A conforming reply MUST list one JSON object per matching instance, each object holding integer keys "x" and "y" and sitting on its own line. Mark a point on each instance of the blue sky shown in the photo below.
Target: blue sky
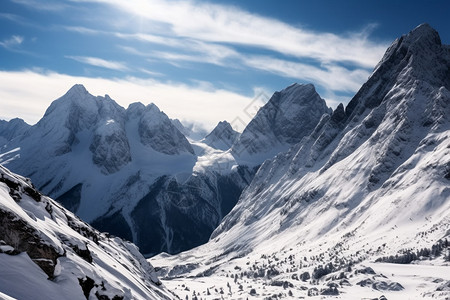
{"x": 199, "y": 61}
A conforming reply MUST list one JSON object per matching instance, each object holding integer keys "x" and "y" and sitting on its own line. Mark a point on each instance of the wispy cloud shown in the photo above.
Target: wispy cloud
{"x": 151, "y": 73}
{"x": 99, "y": 62}
{"x": 84, "y": 30}
{"x": 49, "y": 5}
{"x": 12, "y": 42}
{"x": 12, "y": 17}
{"x": 230, "y": 37}
{"x": 329, "y": 76}
{"x": 226, "y": 24}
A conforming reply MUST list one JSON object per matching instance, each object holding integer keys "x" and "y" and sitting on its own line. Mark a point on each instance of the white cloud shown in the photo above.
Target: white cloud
{"x": 200, "y": 104}
{"x": 49, "y": 5}
{"x": 99, "y": 62}
{"x": 329, "y": 76}
{"x": 218, "y": 31}
{"x": 12, "y": 42}
{"x": 227, "y": 24}
{"x": 84, "y": 30}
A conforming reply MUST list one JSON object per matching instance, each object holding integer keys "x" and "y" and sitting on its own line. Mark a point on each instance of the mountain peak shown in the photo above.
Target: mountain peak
{"x": 284, "y": 120}
{"x": 416, "y": 56}
{"x": 421, "y": 39}
{"x": 222, "y": 137}
{"x": 224, "y": 124}
{"x": 423, "y": 31}
{"x": 77, "y": 89}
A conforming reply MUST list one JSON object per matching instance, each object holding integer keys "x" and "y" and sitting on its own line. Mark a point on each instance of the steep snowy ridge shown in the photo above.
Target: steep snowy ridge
{"x": 371, "y": 181}
{"x": 46, "y": 252}
{"x": 288, "y": 116}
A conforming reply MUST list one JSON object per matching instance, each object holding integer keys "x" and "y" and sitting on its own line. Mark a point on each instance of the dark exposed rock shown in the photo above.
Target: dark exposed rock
{"x": 24, "y": 238}
{"x": 33, "y": 193}
{"x": 365, "y": 282}
{"x": 313, "y": 292}
{"x": 387, "y": 286}
{"x": 339, "y": 115}
{"x": 305, "y": 276}
{"x": 83, "y": 253}
{"x": 330, "y": 291}
{"x": 87, "y": 284}
{"x": 110, "y": 148}
{"x": 285, "y": 284}
{"x": 367, "y": 270}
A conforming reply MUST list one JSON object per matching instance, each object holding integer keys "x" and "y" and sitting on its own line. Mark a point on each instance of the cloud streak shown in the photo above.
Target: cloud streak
{"x": 338, "y": 63}
{"x": 226, "y": 24}
{"x": 12, "y": 42}
{"x": 99, "y": 62}
{"x": 47, "y": 5}
{"x": 330, "y": 76}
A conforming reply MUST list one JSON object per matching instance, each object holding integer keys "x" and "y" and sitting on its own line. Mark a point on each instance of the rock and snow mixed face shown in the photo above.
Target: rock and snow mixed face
{"x": 369, "y": 182}
{"x": 97, "y": 157}
{"x": 222, "y": 137}
{"x": 12, "y": 129}
{"x": 46, "y": 252}
{"x": 288, "y": 116}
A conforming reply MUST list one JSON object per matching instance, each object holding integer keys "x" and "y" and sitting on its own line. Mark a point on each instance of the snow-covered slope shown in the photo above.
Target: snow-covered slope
{"x": 287, "y": 117}
{"x": 11, "y": 129}
{"x": 46, "y": 252}
{"x": 371, "y": 181}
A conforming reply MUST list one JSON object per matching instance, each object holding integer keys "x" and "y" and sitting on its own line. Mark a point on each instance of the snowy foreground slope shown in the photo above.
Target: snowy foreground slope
{"x": 369, "y": 186}
{"x": 48, "y": 253}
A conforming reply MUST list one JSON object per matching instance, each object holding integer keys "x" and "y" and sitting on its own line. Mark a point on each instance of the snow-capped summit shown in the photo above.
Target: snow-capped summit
{"x": 289, "y": 115}
{"x": 77, "y": 110}
{"x": 222, "y": 136}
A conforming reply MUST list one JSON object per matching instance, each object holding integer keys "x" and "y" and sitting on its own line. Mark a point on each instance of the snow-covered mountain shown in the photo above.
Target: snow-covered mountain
{"x": 222, "y": 137}
{"x": 10, "y": 130}
{"x": 287, "y": 117}
{"x": 46, "y": 252}
{"x": 129, "y": 171}
{"x": 369, "y": 183}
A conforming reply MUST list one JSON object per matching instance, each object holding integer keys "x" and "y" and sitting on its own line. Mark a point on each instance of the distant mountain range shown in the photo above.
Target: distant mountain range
{"x": 133, "y": 172}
